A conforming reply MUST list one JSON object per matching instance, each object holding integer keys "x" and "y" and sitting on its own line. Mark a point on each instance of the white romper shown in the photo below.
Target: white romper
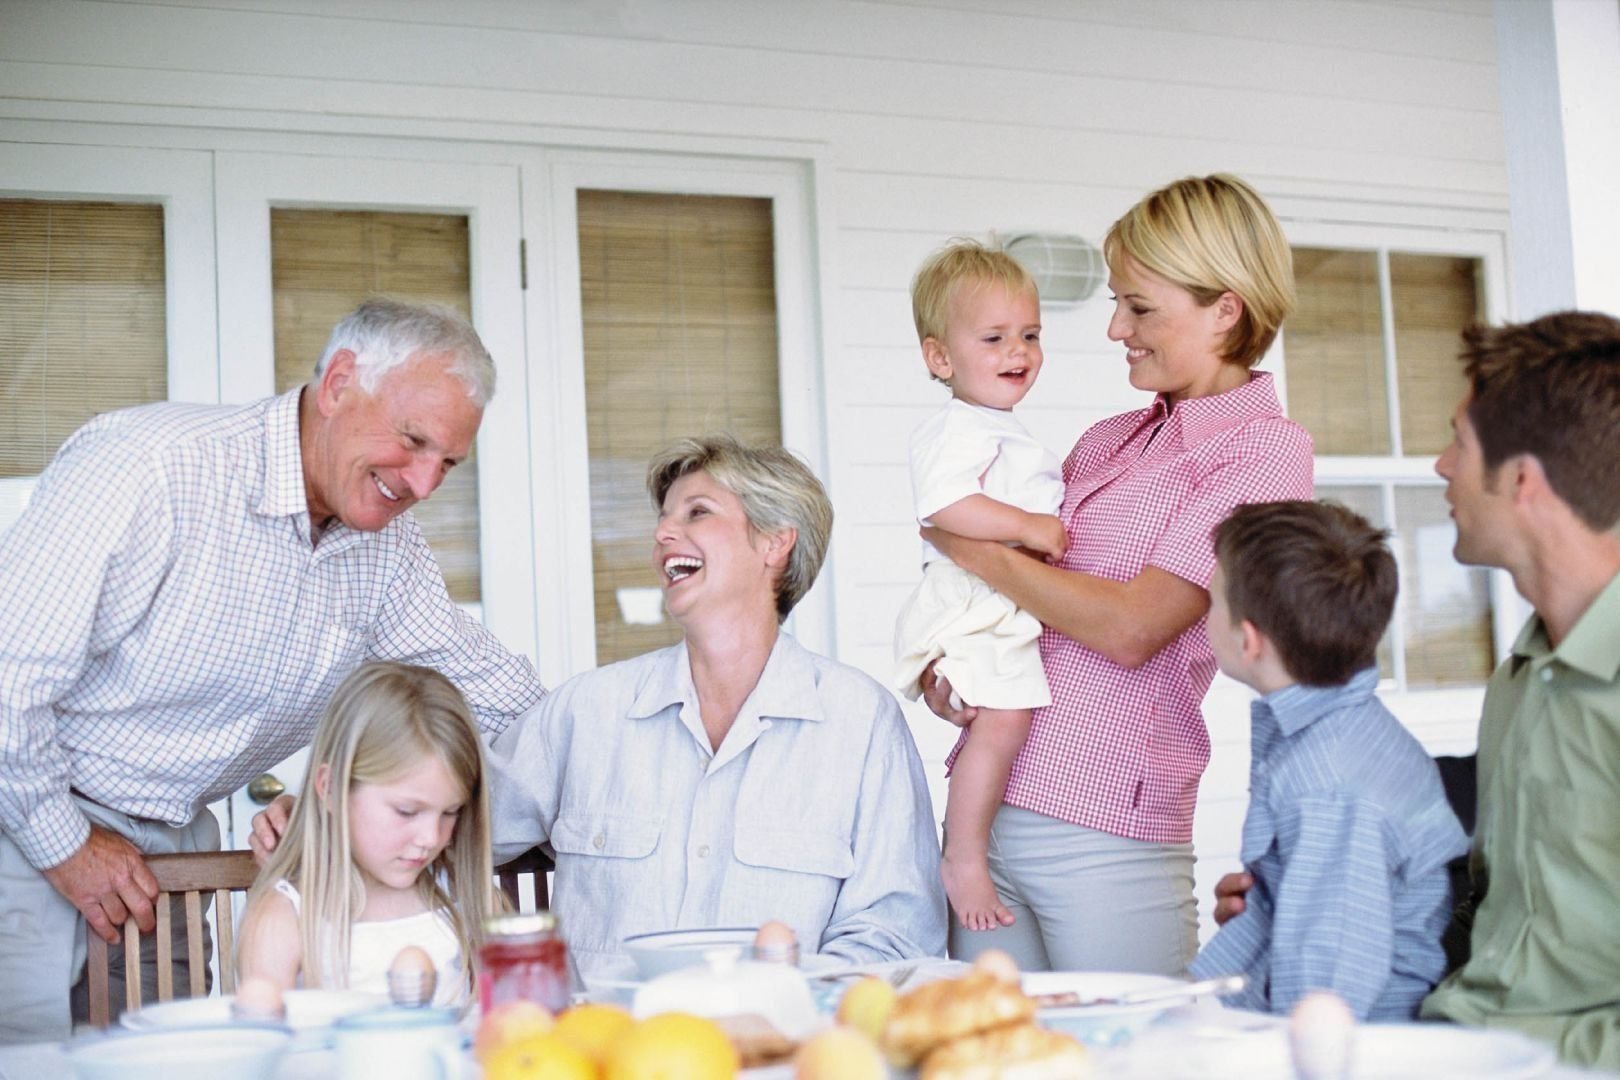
{"x": 985, "y": 644}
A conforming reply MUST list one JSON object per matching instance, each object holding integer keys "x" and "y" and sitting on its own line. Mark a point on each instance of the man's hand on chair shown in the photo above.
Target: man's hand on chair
{"x": 109, "y": 882}
{"x": 268, "y": 826}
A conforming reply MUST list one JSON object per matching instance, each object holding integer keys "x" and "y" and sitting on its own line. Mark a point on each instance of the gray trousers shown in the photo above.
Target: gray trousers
{"x": 1086, "y": 900}
{"x": 43, "y": 988}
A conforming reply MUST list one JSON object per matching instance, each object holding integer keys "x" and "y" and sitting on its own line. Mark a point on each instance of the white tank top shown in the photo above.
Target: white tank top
{"x": 373, "y": 946}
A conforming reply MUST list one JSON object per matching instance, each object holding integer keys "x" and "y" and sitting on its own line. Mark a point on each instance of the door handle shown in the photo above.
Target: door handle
{"x": 264, "y": 788}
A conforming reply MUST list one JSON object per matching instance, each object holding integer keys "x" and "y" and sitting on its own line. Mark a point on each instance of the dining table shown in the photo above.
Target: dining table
{"x": 1201, "y": 1038}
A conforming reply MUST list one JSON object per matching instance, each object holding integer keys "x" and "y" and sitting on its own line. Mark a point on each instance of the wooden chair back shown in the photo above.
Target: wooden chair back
{"x": 534, "y": 863}
{"x": 189, "y": 876}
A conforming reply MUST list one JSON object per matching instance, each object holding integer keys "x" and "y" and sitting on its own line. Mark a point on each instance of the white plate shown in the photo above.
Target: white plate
{"x": 1381, "y": 1052}
{"x": 1100, "y": 1025}
{"x": 664, "y": 951}
{"x": 309, "y": 1012}
{"x": 1445, "y": 1051}
{"x": 814, "y": 966}
{"x": 180, "y": 1054}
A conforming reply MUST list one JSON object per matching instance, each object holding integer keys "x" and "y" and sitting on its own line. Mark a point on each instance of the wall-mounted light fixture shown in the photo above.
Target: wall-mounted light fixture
{"x": 1067, "y": 269}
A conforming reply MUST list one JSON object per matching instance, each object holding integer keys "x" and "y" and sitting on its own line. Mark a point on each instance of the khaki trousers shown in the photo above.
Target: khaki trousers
{"x": 43, "y": 989}
{"x": 1086, "y": 900}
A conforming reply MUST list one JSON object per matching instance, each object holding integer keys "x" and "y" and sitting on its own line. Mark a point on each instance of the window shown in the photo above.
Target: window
{"x": 82, "y": 325}
{"x": 678, "y": 306}
{"x": 1372, "y": 373}
{"x": 323, "y": 263}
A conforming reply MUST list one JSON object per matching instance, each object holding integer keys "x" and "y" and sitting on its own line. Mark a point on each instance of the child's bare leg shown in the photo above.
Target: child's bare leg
{"x": 978, "y": 781}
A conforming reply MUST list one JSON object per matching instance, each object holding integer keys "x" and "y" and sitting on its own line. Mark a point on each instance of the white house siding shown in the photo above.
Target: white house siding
{"x": 921, "y": 121}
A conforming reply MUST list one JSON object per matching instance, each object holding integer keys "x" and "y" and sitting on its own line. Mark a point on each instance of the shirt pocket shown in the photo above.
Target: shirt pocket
{"x": 614, "y": 836}
{"x": 1566, "y": 866}
{"x": 799, "y": 851}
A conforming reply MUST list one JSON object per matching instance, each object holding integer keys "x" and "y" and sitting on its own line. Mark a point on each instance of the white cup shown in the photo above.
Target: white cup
{"x": 399, "y": 1044}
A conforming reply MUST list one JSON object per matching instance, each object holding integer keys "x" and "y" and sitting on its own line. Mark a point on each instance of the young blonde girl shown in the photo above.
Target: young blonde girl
{"x": 389, "y": 845}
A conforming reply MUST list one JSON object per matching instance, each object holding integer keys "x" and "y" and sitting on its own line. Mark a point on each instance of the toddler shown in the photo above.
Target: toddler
{"x": 388, "y": 846}
{"x": 977, "y": 472}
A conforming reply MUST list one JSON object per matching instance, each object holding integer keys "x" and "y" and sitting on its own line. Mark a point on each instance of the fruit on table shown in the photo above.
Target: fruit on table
{"x": 866, "y": 1006}
{"x": 839, "y": 1053}
{"x": 508, "y": 1023}
{"x": 672, "y": 1046}
{"x": 538, "y": 1057}
{"x": 593, "y": 1029}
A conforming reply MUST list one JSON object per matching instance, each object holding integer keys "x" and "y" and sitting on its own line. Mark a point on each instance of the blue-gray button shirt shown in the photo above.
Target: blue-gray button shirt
{"x": 814, "y": 810}
{"x": 1348, "y": 835}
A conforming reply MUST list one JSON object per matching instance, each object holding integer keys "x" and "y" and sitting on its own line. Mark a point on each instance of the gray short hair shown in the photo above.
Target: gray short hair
{"x": 777, "y": 491}
{"x": 384, "y": 333}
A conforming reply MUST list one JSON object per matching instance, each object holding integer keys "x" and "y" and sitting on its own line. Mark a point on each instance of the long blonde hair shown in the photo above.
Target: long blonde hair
{"x": 382, "y": 722}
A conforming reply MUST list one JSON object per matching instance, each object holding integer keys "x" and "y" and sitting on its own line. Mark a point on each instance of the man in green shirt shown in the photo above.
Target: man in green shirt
{"x": 1533, "y": 479}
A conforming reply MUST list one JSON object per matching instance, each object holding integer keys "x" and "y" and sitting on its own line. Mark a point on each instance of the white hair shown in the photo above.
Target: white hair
{"x": 384, "y": 333}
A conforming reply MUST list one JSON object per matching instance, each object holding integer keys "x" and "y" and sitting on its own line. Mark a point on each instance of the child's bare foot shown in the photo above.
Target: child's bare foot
{"x": 973, "y": 895}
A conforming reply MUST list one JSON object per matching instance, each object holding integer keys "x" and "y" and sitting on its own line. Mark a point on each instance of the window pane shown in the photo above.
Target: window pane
{"x": 1334, "y": 348}
{"x": 1368, "y": 501}
{"x": 1435, "y": 296}
{"x": 1445, "y": 607}
{"x": 323, "y": 263}
{"x": 82, "y": 320}
{"x": 678, "y": 301}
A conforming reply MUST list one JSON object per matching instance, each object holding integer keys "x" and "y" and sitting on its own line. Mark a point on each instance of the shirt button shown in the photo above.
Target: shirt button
{"x": 703, "y": 851}
{"x": 1546, "y": 674}
{"x": 598, "y": 841}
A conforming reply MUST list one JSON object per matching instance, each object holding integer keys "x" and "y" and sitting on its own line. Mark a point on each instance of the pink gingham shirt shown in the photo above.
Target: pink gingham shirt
{"x": 1121, "y": 749}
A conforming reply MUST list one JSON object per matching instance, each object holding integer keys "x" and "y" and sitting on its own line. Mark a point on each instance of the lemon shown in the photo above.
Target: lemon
{"x": 593, "y": 1029}
{"x": 538, "y": 1057}
{"x": 673, "y": 1046}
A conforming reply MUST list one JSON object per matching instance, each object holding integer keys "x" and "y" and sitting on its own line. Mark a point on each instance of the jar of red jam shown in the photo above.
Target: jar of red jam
{"x": 523, "y": 958}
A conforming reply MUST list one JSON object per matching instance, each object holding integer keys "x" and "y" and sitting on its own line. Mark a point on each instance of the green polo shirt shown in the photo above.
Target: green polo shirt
{"x": 1546, "y": 937}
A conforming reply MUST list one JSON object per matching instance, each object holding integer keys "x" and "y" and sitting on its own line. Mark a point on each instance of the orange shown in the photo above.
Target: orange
{"x": 538, "y": 1057}
{"x": 673, "y": 1046}
{"x": 593, "y": 1029}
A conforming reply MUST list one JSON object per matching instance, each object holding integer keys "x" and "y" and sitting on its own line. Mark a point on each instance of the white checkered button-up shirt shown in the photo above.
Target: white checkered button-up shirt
{"x": 170, "y": 632}
{"x": 1121, "y": 749}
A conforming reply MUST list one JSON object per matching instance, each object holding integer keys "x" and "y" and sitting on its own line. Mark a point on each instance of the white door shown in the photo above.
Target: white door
{"x": 289, "y": 225}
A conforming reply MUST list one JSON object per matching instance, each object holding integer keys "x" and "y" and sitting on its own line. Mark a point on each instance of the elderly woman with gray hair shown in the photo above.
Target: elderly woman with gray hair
{"x": 735, "y": 777}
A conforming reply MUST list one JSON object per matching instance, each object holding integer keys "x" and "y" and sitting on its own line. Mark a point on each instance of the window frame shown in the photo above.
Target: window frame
{"x": 1450, "y": 715}
{"x": 181, "y": 182}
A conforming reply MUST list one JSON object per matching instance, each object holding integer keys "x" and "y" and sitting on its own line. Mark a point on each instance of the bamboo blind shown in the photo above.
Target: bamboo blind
{"x": 1435, "y": 297}
{"x": 323, "y": 263}
{"x": 82, "y": 320}
{"x": 1335, "y": 352}
{"x": 678, "y": 301}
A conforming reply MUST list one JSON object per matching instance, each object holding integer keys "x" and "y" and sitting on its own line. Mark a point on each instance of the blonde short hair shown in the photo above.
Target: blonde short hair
{"x": 776, "y": 489}
{"x": 1211, "y": 235}
{"x": 959, "y": 261}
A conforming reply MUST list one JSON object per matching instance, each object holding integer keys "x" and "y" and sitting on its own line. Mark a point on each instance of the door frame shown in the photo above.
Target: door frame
{"x": 561, "y": 495}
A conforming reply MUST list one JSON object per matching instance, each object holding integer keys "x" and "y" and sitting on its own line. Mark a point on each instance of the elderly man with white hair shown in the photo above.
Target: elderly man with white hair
{"x": 185, "y": 590}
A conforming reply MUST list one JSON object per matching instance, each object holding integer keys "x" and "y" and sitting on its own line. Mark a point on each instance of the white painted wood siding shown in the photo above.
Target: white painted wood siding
{"x": 921, "y": 121}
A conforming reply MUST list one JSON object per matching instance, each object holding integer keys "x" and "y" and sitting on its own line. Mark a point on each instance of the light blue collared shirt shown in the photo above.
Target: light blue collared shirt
{"x": 1348, "y": 835}
{"x": 813, "y": 811}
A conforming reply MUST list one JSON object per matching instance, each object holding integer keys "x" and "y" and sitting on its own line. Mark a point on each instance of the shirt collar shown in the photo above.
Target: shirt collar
{"x": 1201, "y": 418}
{"x": 283, "y": 494}
{"x": 1593, "y": 643}
{"x": 786, "y": 689}
{"x": 1297, "y": 707}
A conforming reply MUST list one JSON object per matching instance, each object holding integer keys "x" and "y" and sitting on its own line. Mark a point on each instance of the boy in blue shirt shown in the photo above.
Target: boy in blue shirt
{"x": 1348, "y": 831}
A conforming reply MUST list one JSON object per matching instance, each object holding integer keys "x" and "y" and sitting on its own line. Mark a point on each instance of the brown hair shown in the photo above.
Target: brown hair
{"x": 1211, "y": 235}
{"x": 1315, "y": 578}
{"x": 1551, "y": 388}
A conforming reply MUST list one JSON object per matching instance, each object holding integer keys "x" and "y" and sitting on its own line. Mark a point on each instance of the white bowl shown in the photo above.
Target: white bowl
{"x": 1100, "y": 1025}
{"x": 241, "y": 1053}
{"x": 670, "y": 950}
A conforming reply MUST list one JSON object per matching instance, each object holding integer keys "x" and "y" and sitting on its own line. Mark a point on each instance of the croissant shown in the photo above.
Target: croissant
{"x": 1012, "y": 1052}
{"x": 949, "y": 1009}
